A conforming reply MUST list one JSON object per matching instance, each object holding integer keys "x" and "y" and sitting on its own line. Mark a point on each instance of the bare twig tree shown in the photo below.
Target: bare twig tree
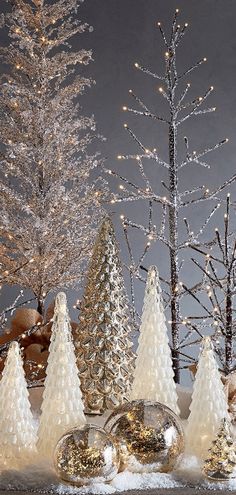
{"x": 174, "y": 201}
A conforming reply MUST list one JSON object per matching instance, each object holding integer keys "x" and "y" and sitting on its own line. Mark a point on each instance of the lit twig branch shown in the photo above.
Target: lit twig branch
{"x": 221, "y": 292}
{"x": 193, "y": 67}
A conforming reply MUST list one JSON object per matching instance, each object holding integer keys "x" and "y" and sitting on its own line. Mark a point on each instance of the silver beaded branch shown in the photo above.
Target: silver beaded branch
{"x": 217, "y": 290}
{"x": 174, "y": 202}
{"x": 50, "y": 205}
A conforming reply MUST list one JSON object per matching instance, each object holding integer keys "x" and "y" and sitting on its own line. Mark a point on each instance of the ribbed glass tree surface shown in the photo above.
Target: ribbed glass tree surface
{"x": 17, "y": 427}
{"x": 221, "y": 461}
{"x": 50, "y": 206}
{"x": 209, "y": 405}
{"x": 103, "y": 345}
{"x": 62, "y": 406}
{"x": 153, "y": 376}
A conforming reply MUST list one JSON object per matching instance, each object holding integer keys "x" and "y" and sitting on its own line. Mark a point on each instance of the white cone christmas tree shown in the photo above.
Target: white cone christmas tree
{"x": 62, "y": 406}
{"x": 209, "y": 405}
{"x": 153, "y": 379}
{"x": 17, "y": 428}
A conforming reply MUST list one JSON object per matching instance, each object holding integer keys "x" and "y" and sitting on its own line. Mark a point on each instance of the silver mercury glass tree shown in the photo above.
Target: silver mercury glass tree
{"x": 50, "y": 206}
{"x": 175, "y": 201}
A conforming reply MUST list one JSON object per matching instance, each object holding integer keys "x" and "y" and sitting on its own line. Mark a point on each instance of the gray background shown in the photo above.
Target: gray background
{"x": 125, "y": 32}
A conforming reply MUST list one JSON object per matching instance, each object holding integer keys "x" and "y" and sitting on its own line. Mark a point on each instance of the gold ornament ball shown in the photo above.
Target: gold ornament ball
{"x": 149, "y": 436}
{"x": 86, "y": 455}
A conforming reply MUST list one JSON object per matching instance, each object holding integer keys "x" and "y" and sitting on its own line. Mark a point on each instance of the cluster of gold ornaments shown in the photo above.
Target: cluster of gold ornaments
{"x": 140, "y": 436}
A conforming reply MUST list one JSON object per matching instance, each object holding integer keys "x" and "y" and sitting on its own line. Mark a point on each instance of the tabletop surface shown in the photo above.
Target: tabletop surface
{"x": 155, "y": 491}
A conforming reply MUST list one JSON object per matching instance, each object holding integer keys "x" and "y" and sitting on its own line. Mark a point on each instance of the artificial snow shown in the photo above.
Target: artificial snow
{"x": 40, "y": 477}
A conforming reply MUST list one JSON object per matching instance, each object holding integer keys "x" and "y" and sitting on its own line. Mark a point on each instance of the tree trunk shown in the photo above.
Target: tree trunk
{"x": 40, "y": 307}
{"x": 229, "y": 319}
{"x": 173, "y": 236}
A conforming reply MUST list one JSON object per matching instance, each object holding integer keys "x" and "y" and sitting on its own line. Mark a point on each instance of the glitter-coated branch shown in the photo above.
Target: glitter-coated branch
{"x": 50, "y": 207}
{"x": 173, "y": 203}
{"x": 217, "y": 290}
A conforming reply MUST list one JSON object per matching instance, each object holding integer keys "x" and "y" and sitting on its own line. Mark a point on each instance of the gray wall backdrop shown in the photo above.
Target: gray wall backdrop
{"x": 125, "y": 32}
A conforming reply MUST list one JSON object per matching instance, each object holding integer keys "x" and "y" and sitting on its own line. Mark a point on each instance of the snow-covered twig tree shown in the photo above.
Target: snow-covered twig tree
{"x": 218, "y": 271}
{"x": 62, "y": 406}
{"x": 169, "y": 207}
{"x": 153, "y": 377}
{"x": 17, "y": 427}
{"x": 103, "y": 343}
{"x": 49, "y": 208}
{"x": 209, "y": 405}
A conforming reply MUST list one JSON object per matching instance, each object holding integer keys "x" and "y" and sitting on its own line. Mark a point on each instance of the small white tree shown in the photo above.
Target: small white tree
{"x": 17, "y": 428}
{"x": 209, "y": 405}
{"x": 62, "y": 406}
{"x": 153, "y": 378}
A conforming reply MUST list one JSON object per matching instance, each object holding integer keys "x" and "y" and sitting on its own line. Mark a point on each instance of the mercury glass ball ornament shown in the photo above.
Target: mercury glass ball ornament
{"x": 86, "y": 455}
{"x": 149, "y": 436}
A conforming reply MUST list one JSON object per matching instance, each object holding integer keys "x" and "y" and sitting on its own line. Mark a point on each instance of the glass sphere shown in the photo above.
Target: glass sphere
{"x": 149, "y": 435}
{"x": 86, "y": 455}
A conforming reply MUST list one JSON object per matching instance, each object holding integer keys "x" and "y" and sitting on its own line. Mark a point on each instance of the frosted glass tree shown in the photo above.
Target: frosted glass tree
{"x": 17, "y": 429}
{"x": 209, "y": 405}
{"x": 153, "y": 379}
{"x": 62, "y": 406}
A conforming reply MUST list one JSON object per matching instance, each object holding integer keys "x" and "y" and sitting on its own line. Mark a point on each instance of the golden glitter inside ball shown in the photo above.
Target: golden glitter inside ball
{"x": 149, "y": 435}
{"x": 86, "y": 455}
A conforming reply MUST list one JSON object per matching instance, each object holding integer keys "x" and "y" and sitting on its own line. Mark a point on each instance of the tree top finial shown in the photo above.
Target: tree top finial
{"x": 60, "y": 304}
{"x": 153, "y": 275}
{"x": 207, "y": 344}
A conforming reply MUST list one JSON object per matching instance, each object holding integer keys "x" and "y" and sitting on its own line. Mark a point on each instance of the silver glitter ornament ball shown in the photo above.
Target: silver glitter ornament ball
{"x": 86, "y": 455}
{"x": 149, "y": 436}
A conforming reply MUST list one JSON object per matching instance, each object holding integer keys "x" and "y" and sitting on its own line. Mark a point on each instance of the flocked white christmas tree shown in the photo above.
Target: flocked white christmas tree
{"x": 209, "y": 405}
{"x": 153, "y": 379}
{"x": 17, "y": 427}
{"x": 62, "y": 406}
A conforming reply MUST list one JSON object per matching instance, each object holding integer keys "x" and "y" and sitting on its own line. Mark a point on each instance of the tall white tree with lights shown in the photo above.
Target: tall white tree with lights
{"x": 153, "y": 378}
{"x": 50, "y": 205}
